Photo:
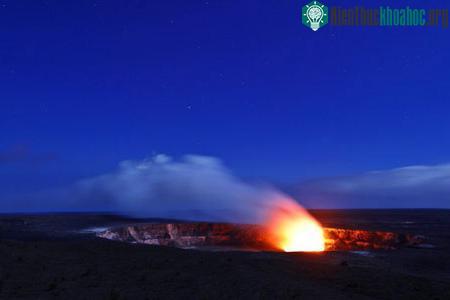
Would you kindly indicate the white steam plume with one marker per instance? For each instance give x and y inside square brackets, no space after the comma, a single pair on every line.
[195,187]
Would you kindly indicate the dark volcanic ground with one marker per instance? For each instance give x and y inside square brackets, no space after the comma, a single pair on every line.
[46,257]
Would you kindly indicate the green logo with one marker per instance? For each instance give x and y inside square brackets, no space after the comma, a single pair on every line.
[315,15]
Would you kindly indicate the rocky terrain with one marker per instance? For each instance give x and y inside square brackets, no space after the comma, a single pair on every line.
[59,257]
[251,237]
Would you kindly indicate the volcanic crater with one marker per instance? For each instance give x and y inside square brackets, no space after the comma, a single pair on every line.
[226,236]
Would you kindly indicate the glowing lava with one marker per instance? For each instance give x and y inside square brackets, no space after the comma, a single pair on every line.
[301,234]
[294,229]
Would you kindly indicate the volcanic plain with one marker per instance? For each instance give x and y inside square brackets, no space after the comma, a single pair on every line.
[59,256]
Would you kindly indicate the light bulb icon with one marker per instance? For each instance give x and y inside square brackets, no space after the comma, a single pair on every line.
[315,13]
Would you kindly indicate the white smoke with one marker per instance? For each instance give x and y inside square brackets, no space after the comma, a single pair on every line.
[195,187]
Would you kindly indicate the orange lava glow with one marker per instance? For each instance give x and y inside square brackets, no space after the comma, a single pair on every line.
[294,229]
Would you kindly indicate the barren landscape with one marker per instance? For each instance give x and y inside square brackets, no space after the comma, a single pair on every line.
[58,256]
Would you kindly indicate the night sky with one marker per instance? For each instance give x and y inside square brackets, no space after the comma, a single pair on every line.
[85,85]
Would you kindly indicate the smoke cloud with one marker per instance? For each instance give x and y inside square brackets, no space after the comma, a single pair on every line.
[194,187]
[203,188]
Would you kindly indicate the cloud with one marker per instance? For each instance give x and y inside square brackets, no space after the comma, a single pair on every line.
[22,153]
[203,188]
[413,186]
[14,154]
[194,187]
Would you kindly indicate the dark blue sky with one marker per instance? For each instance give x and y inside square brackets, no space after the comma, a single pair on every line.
[87,84]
